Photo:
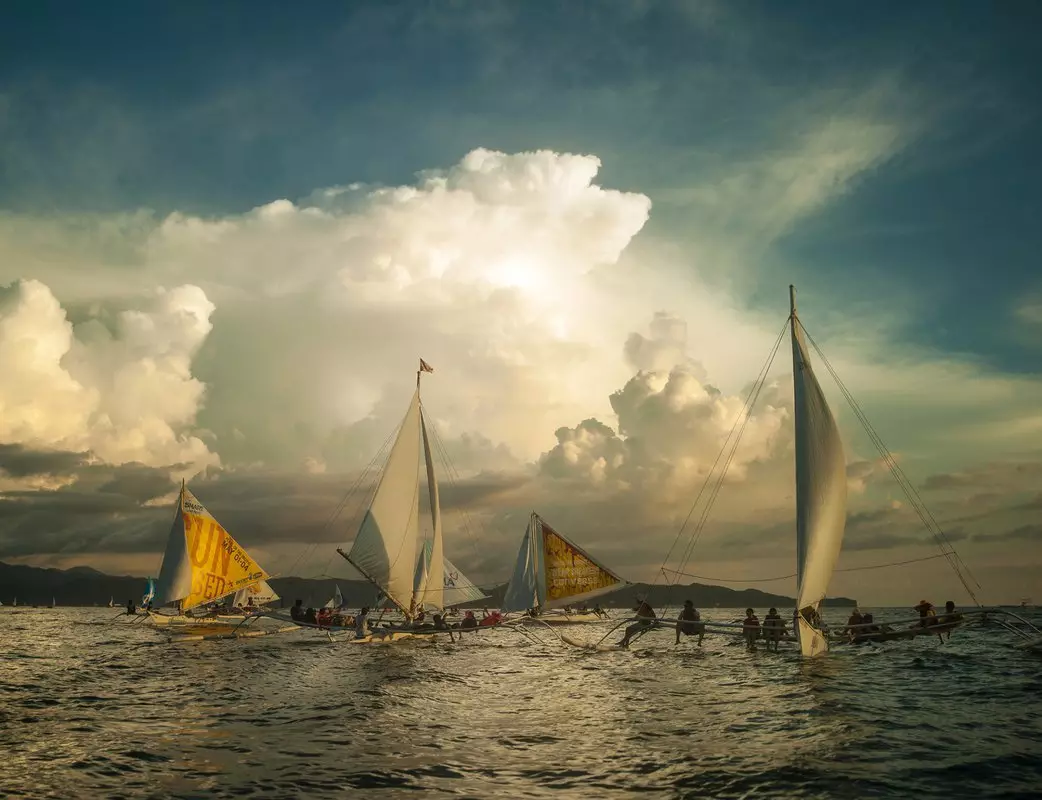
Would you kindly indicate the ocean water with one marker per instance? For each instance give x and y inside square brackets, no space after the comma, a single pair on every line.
[92,706]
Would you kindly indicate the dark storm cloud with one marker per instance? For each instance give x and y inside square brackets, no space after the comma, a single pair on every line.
[20,462]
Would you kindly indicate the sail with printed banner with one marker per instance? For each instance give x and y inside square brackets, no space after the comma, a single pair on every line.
[202,561]
[551,571]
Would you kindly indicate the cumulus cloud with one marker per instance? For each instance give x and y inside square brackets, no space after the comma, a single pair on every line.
[671,423]
[118,385]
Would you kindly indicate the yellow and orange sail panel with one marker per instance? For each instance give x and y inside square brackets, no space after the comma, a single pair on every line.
[202,561]
[220,566]
[570,572]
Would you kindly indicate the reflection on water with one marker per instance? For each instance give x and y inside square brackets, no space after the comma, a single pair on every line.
[110,709]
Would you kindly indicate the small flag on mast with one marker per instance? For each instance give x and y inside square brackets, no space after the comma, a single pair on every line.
[425,367]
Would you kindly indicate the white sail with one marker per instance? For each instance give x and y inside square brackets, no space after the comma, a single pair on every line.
[429,589]
[337,600]
[821,489]
[260,593]
[457,587]
[175,574]
[552,571]
[523,591]
[384,550]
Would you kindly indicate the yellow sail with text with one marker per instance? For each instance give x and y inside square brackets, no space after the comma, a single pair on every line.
[219,565]
[571,574]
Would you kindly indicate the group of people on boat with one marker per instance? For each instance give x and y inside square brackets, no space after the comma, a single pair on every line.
[862,627]
[338,618]
[771,630]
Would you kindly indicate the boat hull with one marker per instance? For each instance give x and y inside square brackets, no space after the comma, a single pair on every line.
[181,619]
[812,640]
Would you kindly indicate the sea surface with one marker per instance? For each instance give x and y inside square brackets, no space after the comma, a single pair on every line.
[96,706]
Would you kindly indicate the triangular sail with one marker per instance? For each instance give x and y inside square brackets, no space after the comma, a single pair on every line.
[457,587]
[337,600]
[384,550]
[821,480]
[202,561]
[552,571]
[260,593]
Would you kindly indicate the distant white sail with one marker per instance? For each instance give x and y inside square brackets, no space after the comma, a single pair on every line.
[337,600]
[821,489]
[260,593]
[552,571]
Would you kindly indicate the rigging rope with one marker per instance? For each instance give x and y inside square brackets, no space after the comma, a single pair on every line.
[739,426]
[793,575]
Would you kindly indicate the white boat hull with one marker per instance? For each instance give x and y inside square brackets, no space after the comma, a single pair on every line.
[181,619]
[812,641]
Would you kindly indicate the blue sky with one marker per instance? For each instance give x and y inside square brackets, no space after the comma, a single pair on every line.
[883,157]
[220,108]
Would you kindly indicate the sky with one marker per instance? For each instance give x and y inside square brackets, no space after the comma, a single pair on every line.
[227,235]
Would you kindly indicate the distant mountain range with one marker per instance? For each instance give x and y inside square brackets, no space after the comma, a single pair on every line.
[83,586]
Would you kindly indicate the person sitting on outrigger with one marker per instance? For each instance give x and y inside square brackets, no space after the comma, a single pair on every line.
[645,620]
[773,628]
[854,620]
[689,622]
[131,608]
[469,621]
[441,625]
[297,612]
[751,628]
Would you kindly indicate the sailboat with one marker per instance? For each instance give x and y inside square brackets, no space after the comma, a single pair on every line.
[821,493]
[386,549]
[202,563]
[112,602]
[53,604]
[552,572]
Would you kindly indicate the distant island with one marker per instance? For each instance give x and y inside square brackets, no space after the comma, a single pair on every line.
[84,586]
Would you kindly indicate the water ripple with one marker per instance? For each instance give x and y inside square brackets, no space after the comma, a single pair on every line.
[98,709]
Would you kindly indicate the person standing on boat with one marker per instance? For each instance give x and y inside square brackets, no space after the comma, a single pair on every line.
[950,619]
[131,608]
[854,620]
[645,619]
[751,628]
[689,622]
[362,623]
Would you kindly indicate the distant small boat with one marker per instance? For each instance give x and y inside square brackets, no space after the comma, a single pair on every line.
[53,604]
[112,603]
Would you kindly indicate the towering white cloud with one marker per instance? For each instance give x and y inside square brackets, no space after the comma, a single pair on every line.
[118,384]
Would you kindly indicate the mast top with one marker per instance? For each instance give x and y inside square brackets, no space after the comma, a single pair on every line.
[792,300]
